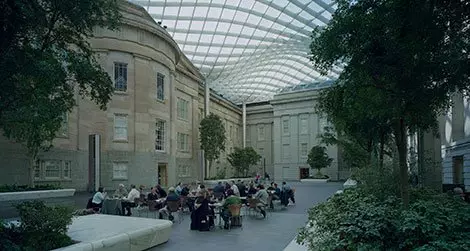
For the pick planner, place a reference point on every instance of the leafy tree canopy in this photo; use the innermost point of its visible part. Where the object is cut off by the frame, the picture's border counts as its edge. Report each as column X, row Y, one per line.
column 403, row 61
column 318, row 158
column 242, row 159
column 212, row 137
column 45, row 59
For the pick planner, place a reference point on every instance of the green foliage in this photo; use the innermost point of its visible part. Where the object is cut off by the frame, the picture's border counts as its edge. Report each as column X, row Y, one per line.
column 242, row 159
column 221, row 172
column 38, row 224
column 402, row 65
column 45, row 59
column 357, row 220
column 318, row 159
column 212, row 137
column 23, row 188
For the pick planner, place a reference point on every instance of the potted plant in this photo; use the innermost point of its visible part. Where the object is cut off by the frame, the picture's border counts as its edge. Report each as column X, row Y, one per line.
column 318, row 159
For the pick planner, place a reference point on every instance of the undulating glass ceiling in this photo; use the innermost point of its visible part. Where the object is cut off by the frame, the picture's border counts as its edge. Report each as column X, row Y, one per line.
column 248, row 50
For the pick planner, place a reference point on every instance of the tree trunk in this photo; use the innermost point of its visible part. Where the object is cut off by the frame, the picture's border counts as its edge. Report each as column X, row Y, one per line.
column 382, row 151
column 32, row 163
column 400, row 140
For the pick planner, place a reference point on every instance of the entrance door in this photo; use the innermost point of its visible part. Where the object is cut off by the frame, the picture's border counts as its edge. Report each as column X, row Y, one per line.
column 304, row 172
column 162, row 174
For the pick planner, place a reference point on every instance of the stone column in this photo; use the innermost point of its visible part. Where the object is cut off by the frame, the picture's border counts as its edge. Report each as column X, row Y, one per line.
column 172, row 168
column 207, row 97
column 244, row 124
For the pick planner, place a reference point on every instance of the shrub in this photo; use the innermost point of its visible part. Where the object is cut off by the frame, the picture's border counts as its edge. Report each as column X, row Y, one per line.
column 357, row 220
column 22, row 188
column 38, row 224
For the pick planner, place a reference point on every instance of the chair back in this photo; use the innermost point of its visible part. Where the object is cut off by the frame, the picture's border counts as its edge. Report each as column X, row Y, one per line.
column 173, row 206
column 252, row 202
column 152, row 205
column 235, row 209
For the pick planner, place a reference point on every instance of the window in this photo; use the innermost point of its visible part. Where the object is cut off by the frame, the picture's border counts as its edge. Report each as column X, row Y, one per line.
column 120, row 170
column 457, row 170
column 64, row 127
column 160, row 87
column 52, row 169
column 261, row 151
column 261, row 132
column 303, row 150
column 120, row 127
column 184, row 171
column 120, row 77
column 182, row 109
column 285, row 151
column 285, row 127
column 303, row 126
column 160, row 135
column 182, row 142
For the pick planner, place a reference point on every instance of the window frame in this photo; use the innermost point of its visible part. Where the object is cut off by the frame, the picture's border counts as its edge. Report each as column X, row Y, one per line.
column 163, row 138
column 303, row 126
column 118, row 164
column 125, row 86
column 184, row 171
column 182, row 142
column 182, row 108
column 301, row 150
column 40, row 172
column 285, row 126
column 160, row 94
column 115, row 138
column 261, row 136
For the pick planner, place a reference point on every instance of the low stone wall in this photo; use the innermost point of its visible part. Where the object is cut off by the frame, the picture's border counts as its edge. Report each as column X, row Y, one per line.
column 63, row 197
column 211, row 183
column 314, row 180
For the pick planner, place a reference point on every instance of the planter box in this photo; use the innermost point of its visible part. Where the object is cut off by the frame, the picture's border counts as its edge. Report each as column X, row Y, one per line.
column 211, row 183
column 314, row 180
column 50, row 197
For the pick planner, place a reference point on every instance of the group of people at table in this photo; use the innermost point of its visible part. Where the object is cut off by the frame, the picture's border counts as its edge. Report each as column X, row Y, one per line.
column 200, row 201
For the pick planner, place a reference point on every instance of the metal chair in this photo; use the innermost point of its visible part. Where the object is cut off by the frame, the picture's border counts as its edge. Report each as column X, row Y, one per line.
column 152, row 208
column 174, row 207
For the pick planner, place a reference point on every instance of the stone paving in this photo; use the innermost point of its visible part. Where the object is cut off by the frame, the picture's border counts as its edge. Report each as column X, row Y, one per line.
column 273, row 233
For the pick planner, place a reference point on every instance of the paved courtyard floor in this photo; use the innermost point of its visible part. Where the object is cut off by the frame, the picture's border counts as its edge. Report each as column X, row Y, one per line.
column 273, row 233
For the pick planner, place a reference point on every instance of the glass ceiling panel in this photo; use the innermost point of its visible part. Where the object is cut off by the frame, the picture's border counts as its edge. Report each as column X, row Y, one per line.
column 248, row 50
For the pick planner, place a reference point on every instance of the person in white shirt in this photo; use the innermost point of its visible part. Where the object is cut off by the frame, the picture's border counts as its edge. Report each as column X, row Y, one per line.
column 234, row 188
column 98, row 198
column 129, row 201
column 262, row 197
column 179, row 188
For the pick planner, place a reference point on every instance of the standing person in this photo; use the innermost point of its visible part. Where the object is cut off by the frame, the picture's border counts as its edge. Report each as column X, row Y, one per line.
column 289, row 193
column 234, row 188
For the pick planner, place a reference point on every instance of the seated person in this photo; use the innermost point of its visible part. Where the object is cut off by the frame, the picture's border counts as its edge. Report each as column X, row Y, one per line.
column 121, row 192
column 231, row 200
column 98, row 198
column 251, row 190
column 271, row 187
column 179, row 188
column 219, row 190
column 189, row 200
column 262, row 197
column 161, row 191
column 153, row 195
column 129, row 201
column 242, row 189
column 201, row 215
column 172, row 196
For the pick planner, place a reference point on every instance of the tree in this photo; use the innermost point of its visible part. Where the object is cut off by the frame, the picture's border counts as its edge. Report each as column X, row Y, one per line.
column 242, row 159
column 45, row 60
column 318, row 159
column 412, row 54
column 212, row 139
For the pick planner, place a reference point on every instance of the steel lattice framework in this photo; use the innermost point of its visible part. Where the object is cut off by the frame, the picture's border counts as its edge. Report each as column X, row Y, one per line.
column 248, row 50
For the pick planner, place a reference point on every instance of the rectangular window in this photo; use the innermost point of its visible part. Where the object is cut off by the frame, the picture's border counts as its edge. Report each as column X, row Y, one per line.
column 457, row 170
column 52, row 169
column 261, row 132
column 120, row 127
column 160, row 87
column 64, row 127
column 120, row 170
column 184, row 171
column 182, row 142
column 303, row 150
column 303, row 126
column 160, row 135
column 285, row 151
column 285, row 127
column 182, row 109
column 120, row 77
column 261, row 151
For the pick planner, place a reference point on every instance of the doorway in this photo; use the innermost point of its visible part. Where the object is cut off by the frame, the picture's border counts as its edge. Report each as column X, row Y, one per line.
column 457, row 169
column 304, row 172
column 162, row 174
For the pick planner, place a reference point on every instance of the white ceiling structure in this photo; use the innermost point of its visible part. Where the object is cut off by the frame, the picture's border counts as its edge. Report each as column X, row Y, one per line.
column 248, row 50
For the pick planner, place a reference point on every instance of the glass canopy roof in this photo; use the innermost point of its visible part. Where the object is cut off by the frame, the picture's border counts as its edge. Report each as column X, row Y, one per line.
column 248, row 50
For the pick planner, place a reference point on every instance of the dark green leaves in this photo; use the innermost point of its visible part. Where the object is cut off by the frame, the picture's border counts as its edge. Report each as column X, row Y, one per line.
column 212, row 136
column 242, row 158
column 318, row 158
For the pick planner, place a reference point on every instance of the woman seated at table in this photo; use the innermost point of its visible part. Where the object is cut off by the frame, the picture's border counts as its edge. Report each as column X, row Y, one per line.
column 98, row 198
column 161, row 191
column 121, row 192
column 230, row 200
column 172, row 196
column 200, row 219
column 153, row 195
